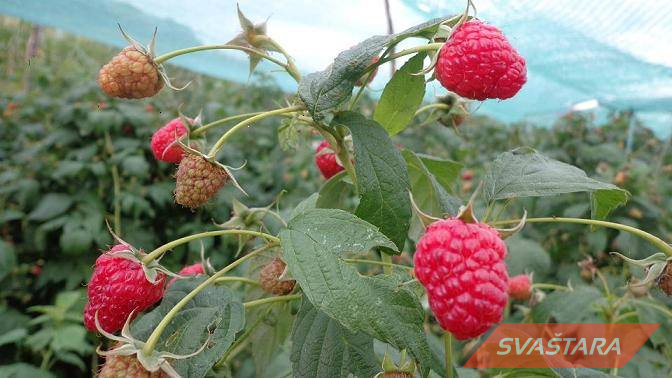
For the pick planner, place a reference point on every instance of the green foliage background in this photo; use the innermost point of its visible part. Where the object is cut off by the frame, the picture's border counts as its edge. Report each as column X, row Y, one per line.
column 60, row 138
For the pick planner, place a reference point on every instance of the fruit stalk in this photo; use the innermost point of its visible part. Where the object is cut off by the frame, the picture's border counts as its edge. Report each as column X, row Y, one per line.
column 437, row 105
column 170, row 55
column 219, row 122
column 381, row 263
column 229, row 133
column 156, row 334
column 158, row 252
column 290, row 67
column 448, row 353
column 659, row 243
column 428, row 47
column 237, row 279
column 262, row 301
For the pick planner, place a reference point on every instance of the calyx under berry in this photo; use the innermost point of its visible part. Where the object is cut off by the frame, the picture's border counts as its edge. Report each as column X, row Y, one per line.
column 658, row 270
column 127, row 345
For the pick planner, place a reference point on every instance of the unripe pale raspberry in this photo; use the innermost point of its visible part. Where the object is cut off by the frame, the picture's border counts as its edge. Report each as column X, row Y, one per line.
column 461, row 265
column 126, row 367
column 189, row 270
column 164, row 146
column 665, row 279
column 197, row 180
column 478, row 63
column 130, row 74
column 520, row 287
column 269, row 279
column 327, row 162
column 119, row 287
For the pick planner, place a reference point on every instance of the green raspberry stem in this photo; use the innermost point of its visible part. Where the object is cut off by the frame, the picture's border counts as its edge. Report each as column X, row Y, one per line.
column 158, row 252
column 220, row 122
column 247, row 122
column 448, row 353
column 170, row 55
column 381, row 263
column 659, row 243
column 387, row 260
column 262, row 301
column 436, row 105
column 237, row 279
column 290, row 66
column 149, row 346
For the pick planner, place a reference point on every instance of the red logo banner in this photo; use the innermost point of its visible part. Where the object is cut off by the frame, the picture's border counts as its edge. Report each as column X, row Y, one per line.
column 561, row 345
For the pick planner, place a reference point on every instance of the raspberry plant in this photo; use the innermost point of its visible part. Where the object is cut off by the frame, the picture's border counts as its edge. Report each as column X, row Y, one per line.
column 381, row 200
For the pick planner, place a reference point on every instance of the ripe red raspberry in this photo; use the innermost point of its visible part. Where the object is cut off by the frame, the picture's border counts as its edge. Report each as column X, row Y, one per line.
column 118, row 287
column 163, row 142
column 128, row 367
column 130, row 74
column 269, row 279
column 477, row 62
column 197, row 180
column 327, row 162
column 360, row 81
column 189, row 270
column 461, row 265
column 520, row 287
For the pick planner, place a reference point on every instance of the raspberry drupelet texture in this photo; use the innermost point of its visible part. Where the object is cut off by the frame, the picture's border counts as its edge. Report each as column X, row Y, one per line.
column 164, row 145
column 130, row 74
column 269, row 279
column 520, row 287
column 119, row 287
column 665, row 279
column 189, row 270
column 126, row 367
column 461, row 265
column 326, row 162
column 198, row 180
column 478, row 63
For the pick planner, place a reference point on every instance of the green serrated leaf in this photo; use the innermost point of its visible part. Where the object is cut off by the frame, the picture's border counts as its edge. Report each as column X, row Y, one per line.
column 51, row 205
column 428, row 193
column 574, row 306
column 382, row 177
column 288, row 135
column 322, row 92
column 322, row 347
column 307, row 204
column 524, row 172
column 445, row 171
column 313, row 244
column 651, row 311
column 271, row 334
column 215, row 310
column 335, row 193
column 526, row 256
column 401, row 97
